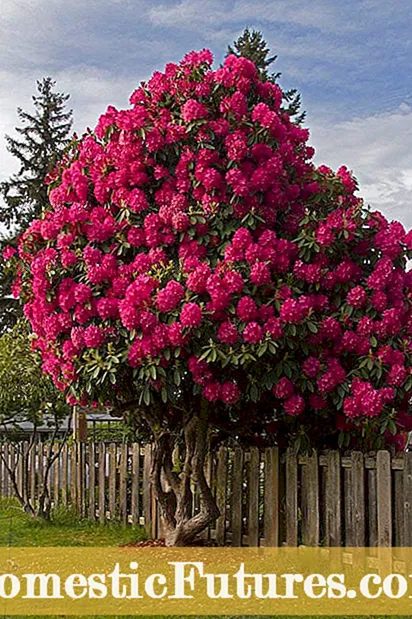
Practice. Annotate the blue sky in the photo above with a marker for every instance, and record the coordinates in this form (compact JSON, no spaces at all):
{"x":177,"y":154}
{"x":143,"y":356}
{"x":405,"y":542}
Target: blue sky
{"x":350,"y":60}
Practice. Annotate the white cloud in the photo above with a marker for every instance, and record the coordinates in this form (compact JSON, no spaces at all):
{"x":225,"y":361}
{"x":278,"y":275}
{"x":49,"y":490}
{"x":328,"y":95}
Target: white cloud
{"x":186,"y":13}
{"x":377,"y":149}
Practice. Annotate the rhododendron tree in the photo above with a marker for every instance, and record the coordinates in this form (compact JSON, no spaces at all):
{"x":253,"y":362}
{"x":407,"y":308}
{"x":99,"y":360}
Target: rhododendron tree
{"x":195,"y":269}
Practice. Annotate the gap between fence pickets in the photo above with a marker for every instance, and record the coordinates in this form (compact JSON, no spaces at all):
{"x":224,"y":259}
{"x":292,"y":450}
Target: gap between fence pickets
{"x":265,"y":496}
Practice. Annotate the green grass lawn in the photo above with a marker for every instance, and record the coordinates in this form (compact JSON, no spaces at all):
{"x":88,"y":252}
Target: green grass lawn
{"x":66,"y":529}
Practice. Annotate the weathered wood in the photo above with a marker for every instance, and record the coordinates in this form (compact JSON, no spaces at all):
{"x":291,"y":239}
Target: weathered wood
{"x":205,"y":535}
{"x":253,"y":498}
{"x":384,"y":496}
{"x":102,"y":482}
{"x":147,"y":491}
{"x":112,"y":480}
{"x":123,"y":483}
{"x":73,"y":475}
{"x":291,"y":498}
{"x":91,"y":458}
{"x":65,"y":474}
{"x":12,"y":464}
{"x":56,"y":476}
{"x":80,"y":470}
{"x":271,"y":505}
{"x":32,"y":473}
{"x":19,"y":451}
{"x":135,"y":483}
{"x":40,"y":466}
{"x":310,"y":500}
{"x":221,"y":487}
{"x":236,"y":497}
{"x":372,"y":509}
{"x":333,"y":500}
{"x":348,"y":507}
{"x":358,"y":537}
{"x":407,"y":506}
{"x":398,"y":511}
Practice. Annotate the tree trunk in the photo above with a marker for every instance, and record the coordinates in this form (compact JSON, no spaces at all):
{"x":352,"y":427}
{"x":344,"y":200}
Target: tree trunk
{"x":173,"y":490}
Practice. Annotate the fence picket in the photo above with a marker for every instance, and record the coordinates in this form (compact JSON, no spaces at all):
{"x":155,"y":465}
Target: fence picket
{"x":92,"y":480}
{"x":358,"y":498}
{"x":32,"y":472}
{"x":355,"y":499}
{"x":221,"y":487}
{"x":102,"y":483}
{"x":64,"y":456}
{"x":372,"y":509}
{"x":407,"y":498}
{"x":73,"y":475}
{"x":236,"y":499}
{"x":253,"y":497}
{"x":310,"y":501}
{"x":112,"y":480}
{"x":6,"y":475}
{"x":333,"y":499}
{"x":135,"y":483}
{"x":291,"y":498}
{"x":271,"y":506}
{"x":147,"y":493}
{"x":56,"y":475}
{"x":123,"y":483}
{"x":383,"y":483}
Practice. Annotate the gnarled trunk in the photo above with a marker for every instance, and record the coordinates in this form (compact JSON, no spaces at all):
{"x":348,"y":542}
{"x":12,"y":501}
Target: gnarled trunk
{"x":173,"y":489}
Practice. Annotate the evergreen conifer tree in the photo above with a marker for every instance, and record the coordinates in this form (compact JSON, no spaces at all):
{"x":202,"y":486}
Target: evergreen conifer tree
{"x":252,"y":45}
{"x":42,"y":138}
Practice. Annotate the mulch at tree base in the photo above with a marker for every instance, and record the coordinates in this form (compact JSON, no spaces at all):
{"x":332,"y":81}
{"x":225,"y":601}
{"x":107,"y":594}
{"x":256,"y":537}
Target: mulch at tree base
{"x":161,"y":543}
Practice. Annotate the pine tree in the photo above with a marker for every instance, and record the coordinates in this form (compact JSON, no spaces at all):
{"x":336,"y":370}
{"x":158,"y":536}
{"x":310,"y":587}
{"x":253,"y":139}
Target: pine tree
{"x":252,"y":45}
{"x":43,"y":137}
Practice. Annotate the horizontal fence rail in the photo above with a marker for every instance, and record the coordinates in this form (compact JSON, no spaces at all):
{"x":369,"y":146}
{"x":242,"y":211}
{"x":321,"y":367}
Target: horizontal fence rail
{"x":266,"y":497}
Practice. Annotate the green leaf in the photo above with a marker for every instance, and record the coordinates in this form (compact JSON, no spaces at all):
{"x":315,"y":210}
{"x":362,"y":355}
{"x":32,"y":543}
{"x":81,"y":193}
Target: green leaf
{"x":254,"y":393}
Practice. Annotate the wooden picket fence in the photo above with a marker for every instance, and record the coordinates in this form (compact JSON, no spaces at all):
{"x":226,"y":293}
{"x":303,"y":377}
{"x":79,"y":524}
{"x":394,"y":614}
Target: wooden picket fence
{"x":266,"y":497}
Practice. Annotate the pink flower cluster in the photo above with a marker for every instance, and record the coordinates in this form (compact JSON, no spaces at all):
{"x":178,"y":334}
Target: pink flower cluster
{"x":195,"y":225}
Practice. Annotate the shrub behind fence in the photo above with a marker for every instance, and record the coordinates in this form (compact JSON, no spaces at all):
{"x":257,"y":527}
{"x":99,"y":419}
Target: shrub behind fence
{"x":266,"y":497}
